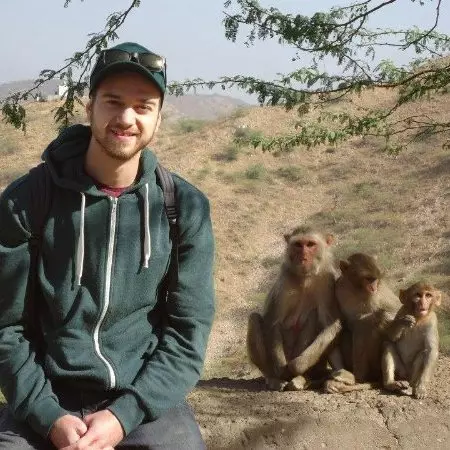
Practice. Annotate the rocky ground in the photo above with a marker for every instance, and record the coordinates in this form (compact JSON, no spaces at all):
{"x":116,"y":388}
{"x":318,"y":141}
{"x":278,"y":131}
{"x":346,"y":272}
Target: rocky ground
{"x":240,"y":414}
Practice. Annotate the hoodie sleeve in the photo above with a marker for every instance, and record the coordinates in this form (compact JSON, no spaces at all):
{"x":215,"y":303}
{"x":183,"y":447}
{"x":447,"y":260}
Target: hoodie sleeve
{"x":174,"y":368}
{"x":22,"y":379}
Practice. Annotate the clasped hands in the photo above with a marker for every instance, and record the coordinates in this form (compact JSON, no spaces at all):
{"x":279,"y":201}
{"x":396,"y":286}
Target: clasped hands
{"x":98,"y":431}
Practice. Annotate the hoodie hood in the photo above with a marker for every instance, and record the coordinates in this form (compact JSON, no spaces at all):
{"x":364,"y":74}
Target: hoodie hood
{"x":65,"y":158}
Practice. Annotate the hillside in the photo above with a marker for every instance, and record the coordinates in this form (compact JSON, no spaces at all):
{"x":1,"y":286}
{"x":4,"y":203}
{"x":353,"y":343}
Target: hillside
{"x":394,"y":207}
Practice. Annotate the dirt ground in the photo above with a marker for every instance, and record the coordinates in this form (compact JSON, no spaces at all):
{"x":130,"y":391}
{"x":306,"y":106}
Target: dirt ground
{"x":238,"y":413}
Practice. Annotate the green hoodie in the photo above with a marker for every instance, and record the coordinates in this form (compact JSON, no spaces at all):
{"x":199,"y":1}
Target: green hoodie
{"x":102,"y":263}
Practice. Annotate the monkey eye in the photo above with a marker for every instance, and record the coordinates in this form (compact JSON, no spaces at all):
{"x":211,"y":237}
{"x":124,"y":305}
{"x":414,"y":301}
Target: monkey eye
{"x":371,"y":279}
{"x":311,"y":244}
{"x":298,"y":244}
{"x":428,"y":295}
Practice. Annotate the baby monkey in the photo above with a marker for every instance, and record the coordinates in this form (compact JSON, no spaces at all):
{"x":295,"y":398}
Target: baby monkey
{"x":412,"y":350}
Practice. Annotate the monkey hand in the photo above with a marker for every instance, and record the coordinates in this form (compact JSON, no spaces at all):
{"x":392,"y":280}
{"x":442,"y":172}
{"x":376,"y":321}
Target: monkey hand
{"x":419,"y":391}
{"x":409,"y":321}
{"x":344,"y":376}
{"x":274,"y":384}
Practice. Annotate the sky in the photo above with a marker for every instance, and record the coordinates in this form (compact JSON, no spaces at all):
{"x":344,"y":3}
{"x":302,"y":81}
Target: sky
{"x":38,"y":35}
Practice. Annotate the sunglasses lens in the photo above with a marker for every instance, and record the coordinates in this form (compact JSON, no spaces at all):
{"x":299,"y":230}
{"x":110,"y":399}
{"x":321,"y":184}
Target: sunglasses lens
{"x":112,"y":56}
{"x":153,"y":62}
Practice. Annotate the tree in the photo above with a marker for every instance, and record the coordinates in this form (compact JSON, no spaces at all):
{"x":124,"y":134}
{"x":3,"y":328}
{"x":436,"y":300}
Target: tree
{"x":13,"y":108}
{"x":341,"y":37}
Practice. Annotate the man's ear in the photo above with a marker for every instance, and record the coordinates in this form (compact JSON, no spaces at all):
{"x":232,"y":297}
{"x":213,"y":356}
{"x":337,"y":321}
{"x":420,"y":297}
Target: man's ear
{"x":158,"y":123}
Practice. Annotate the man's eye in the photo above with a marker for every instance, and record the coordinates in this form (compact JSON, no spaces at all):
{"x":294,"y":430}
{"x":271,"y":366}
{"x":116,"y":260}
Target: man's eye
{"x":145,"y":108}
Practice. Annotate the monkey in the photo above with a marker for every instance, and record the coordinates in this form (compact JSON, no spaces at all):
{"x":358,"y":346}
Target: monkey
{"x":367,"y":306}
{"x":291,"y":341}
{"x":412,"y":350}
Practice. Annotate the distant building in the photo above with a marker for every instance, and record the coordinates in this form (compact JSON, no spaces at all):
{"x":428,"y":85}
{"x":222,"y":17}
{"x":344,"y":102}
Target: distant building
{"x":62,"y":91}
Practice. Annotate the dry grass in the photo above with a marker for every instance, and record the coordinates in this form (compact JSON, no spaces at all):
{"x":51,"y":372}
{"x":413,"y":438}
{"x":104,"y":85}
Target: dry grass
{"x":394,"y":207}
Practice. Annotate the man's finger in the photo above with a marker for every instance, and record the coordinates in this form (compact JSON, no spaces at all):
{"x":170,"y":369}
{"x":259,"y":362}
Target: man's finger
{"x":84,"y":443}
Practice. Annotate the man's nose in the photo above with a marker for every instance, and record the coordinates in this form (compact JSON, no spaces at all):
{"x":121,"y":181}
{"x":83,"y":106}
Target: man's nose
{"x":126,"y":116}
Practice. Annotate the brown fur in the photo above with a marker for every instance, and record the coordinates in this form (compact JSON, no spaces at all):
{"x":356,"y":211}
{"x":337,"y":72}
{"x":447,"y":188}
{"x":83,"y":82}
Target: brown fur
{"x":367,"y":306}
{"x":413,"y":347}
{"x":291,"y":339}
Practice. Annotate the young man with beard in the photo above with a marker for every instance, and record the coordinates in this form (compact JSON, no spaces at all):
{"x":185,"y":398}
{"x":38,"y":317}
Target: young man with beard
{"x":117,"y":357}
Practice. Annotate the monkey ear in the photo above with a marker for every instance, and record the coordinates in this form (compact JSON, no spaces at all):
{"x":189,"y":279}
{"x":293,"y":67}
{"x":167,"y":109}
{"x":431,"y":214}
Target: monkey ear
{"x":402,"y":296}
{"x":437,"y":298}
{"x":329,"y":239}
{"x":344,"y":265}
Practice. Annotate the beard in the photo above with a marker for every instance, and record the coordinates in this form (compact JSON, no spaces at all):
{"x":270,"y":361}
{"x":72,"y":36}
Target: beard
{"x":118,"y":150}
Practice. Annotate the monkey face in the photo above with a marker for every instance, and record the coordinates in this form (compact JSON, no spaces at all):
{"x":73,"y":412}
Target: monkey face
{"x":304,"y":251}
{"x":362,"y":271}
{"x":370,"y":284}
{"x":421,"y":298}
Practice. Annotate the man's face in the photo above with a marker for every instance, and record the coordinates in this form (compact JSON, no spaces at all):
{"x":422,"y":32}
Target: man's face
{"x":124,"y":114}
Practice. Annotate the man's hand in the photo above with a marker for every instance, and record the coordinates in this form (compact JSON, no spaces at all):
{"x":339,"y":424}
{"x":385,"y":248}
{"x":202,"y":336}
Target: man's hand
{"x":104,"y":431}
{"x":67,"y":430}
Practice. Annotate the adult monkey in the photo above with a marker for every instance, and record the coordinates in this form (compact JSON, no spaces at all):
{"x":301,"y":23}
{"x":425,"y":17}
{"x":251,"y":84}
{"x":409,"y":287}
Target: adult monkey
{"x":413,"y":350}
{"x":292,"y":339}
{"x":368,"y":307}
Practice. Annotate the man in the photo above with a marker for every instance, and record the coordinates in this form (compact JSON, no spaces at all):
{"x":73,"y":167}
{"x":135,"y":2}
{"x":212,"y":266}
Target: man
{"x":116,"y":363}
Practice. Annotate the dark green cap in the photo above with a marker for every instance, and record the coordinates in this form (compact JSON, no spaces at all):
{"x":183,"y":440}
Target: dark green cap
{"x":135,"y":59}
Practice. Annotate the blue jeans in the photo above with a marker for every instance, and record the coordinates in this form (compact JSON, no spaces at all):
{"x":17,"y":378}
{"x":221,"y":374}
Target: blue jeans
{"x":176,"y":430}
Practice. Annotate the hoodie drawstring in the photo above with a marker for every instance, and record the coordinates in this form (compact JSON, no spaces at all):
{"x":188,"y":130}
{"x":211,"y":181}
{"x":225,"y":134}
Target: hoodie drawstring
{"x":80,"y":248}
{"x":147,"y":242}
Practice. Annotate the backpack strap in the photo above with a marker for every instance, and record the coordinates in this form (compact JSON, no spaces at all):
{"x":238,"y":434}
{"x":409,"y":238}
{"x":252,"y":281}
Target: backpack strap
{"x":166,"y":181}
{"x":41,"y":196}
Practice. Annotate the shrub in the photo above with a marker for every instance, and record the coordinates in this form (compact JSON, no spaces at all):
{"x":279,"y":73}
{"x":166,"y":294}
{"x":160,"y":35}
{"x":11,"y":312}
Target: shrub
{"x":255,"y":172}
{"x":291,"y":173}
{"x":187,"y":125}
{"x":244,"y":136}
{"x":231,"y":152}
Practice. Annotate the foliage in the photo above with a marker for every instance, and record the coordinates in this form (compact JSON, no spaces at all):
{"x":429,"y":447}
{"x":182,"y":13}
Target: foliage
{"x":12,"y":107}
{"x":243,"y":136}
{"x":293,"y":174}
{"x":341,"y":37}
{"x":255,"y":172}
{"x":187,"y":125}
{"x":231,"y":152}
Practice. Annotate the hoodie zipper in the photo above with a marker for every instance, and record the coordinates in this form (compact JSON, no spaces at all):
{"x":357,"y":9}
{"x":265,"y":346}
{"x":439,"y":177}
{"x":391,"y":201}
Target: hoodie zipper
{"x":107,"y":297}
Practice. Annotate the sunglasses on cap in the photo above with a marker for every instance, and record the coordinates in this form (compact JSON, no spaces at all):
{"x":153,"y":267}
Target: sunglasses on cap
{"x":150,"y":61}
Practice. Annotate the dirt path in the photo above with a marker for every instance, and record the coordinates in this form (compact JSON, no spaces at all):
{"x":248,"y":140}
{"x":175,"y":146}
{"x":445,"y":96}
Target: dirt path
{"x":240,"y":414}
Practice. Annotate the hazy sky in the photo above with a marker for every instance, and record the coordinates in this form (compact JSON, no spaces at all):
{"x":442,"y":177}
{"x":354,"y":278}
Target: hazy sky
{"x":39,"y":34}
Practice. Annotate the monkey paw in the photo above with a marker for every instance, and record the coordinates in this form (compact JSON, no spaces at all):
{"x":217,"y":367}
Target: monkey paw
{"x":332,"y":387}
{"x":419,"y":392}
{"x":409,"y":320}
{"x":344,"y":376}
{"x":274,"y":384}
{"x":299,"y":383}
{"x":396,"y":386}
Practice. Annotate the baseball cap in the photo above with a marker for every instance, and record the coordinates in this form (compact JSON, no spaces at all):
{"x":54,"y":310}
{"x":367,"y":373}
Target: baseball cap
{"x":126,"y":57}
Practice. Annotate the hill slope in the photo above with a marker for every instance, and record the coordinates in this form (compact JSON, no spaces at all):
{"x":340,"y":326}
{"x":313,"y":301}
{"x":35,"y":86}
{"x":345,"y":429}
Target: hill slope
{"x":395,"y":207}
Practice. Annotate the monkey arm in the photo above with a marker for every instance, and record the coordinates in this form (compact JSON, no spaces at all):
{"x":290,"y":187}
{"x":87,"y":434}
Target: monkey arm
{"x":275,"y":348}
{"x":314,"y":352}
{"x":395,"y":329}
{"x":425,"y":363}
